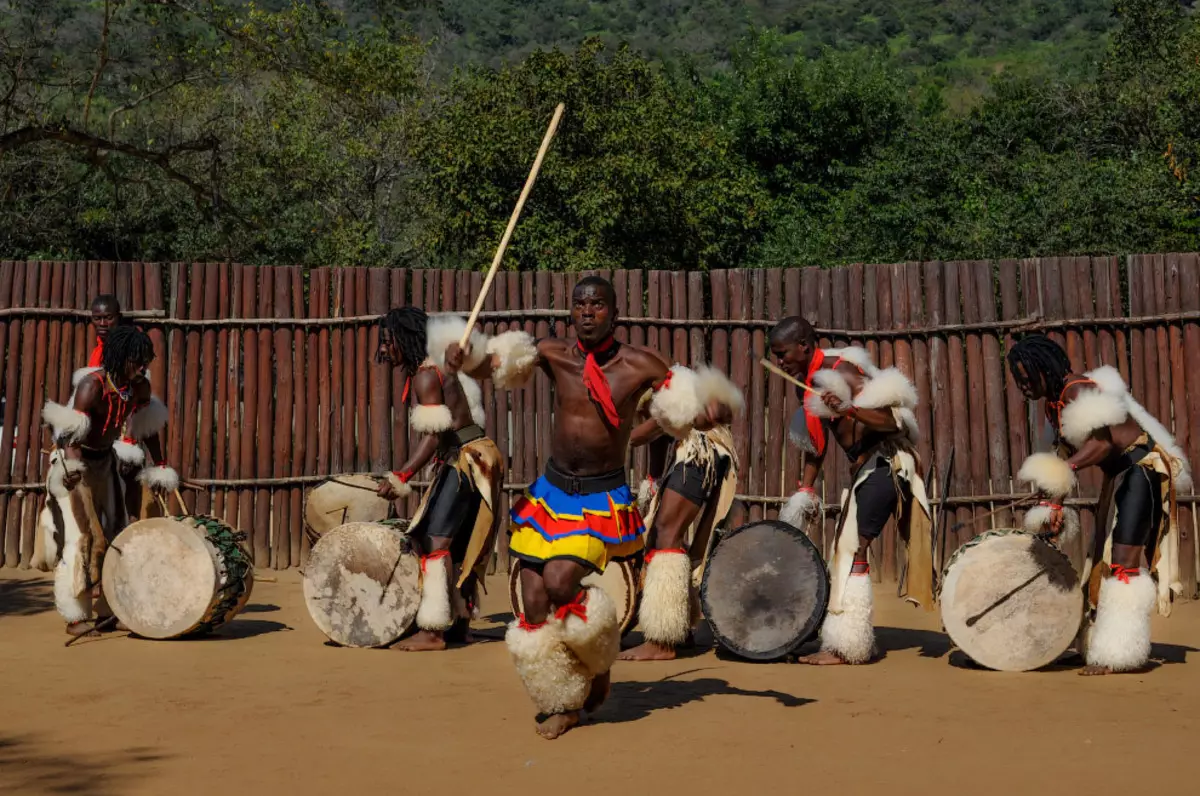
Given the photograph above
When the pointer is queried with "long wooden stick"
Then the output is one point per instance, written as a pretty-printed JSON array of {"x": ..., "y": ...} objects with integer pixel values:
[
  {"x": 786, "y": 376},
  {"x": 512, "y": 223}
]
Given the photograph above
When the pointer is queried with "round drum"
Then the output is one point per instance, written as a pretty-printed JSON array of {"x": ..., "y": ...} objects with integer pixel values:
[
  {"x": 362, "y": 584},
  {"x": 169, "y": 577},
  {"x": 765, "y": 590},
  {"x": 1010, "y": 601},
  {"x": 340, "y": 500},
  {"x": 619, "y": 581}
]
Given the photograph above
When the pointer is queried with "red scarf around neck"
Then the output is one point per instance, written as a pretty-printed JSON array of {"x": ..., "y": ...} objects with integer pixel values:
[
  {"x": 597, "y": 383},
  {"x": 816, "y": 431}
]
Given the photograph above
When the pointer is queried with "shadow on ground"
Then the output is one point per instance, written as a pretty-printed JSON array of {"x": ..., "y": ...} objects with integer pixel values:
[
  {"x": 28, "y": 766},
  {"x": 26, "y": 597},
  {"x": 633, "y": 700}
]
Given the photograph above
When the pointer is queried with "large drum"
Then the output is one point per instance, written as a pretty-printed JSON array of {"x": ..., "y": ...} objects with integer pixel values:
[
  {"x": 765, "y": 590},
  {"x": 619, "y": 581},
  {"x": 170, "y": 577},
  {"x": 340, "y": 500},
  {"x": 1010, "y": 601},
  {"x": 362, "y": 584}
]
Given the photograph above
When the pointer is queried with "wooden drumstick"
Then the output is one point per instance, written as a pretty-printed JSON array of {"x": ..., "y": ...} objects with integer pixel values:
[
  {"x": 182, "y": 506},
  {"x": 512, "y": 223},
  {"x": 786, "y": 376},
  {"x": 1003, "y": 508}
]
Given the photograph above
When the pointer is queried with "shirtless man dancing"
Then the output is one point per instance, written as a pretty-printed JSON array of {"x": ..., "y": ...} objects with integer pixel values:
[{"x": 581, "y": 513}]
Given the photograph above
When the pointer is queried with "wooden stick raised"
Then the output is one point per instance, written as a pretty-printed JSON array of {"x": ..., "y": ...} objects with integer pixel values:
[
  {"x": 786, "y": 376},
  {"x": 512, "y": 223}
]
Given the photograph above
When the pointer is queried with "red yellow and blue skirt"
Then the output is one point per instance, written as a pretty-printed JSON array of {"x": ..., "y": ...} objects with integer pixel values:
[{"x": 591, "y": 520}]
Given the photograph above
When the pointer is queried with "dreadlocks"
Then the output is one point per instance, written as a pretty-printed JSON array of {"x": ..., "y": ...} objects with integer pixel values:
[
  {"x": 1042, "y": 360},
  {"x": 406, "y": 328},
  {"x": 126, "y": 344}
]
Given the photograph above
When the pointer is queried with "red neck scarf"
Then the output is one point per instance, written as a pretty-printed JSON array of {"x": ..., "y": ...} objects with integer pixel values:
[
  {"x": 816, "y": 431},
  {"x": 597, "y": 383},
  {"x": 97, "y": 358}
]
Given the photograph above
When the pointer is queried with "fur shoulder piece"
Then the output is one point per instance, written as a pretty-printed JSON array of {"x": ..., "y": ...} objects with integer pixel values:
[
  {"x": 888, "y": 388},
  {"x": 149, "y": 420},
  {"x": 442, "y": 330},
  {"x": 516, "y": 352},
  {"x": 1108, "y": 379},
  {"x": 81, "y": 374},
  {"x": 855, "y": 356},
  {"x": 1090, "y": 411},
  {"x": 1048, "y": 474},
  {"x": 827, "y": 380},
  {"x": 69, "y": 425},
  {"x": 474, "y": 394}
]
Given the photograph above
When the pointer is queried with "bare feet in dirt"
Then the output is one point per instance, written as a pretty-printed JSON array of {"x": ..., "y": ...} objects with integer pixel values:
[
  {"x": 84, "y": 628},
  {"x": 422, "y": 641},
  {"x": 823, "y": 658},
  {"x": 601, "y": 685},
  {"x": 649, "y": 651},
  {"x": 557, "y": 724},
  {"x": 1091, "y": 671}
]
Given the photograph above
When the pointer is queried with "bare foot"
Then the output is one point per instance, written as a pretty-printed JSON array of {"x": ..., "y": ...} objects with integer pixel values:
[
  {"x": 422, "y": 641},
  {"x": 84, "y": 627},
  {"x": 649, "y": 651},
  {"x": 601, "y": 686},
  {"x": 1090, "y": 671},
  {"x": 557, "y": 724},
  {"x": 823, "y": 658}
]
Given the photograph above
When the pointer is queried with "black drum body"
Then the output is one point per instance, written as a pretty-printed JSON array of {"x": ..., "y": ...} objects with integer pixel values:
[{"x": 765, "y": 590}]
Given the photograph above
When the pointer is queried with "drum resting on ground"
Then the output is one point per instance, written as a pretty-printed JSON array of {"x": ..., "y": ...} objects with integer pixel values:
[
  {"x": 171, "y": 577},
  {"x": 362, "y": 583},
  {"x": 765, "y": 590},
  {"x": 1010, "y": 600}
]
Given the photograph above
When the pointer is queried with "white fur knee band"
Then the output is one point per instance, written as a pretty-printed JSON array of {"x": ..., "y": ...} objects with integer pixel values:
[
  {"x": 595, "y": 640},
  {"x": 149, "y": 420},
  {"x": 1119, "y": 639},
  {"x": 800, "y": 508},
  {"x": 1048, "y": 474},
  {"x": 516, "y": 354},
  {"x": 434, "y": 611},
  {"x": 851, "y": 634},
  {"x": 159, "y": 477},
  {"x": 554, "y": 678},
  {"x": 69, "y": 425},
  {"x": 665, "y": 616}
]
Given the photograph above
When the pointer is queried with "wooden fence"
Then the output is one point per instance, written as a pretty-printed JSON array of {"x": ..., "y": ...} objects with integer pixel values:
[{"x": 271, "y": 383}]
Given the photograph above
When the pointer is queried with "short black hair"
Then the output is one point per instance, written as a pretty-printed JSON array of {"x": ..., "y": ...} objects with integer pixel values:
[
  {"x": 1042, "y": 358},
  {"x": 406, "y": 327},
  {"x": 600, "y": 282},
  {"x": 126, "y": 343},
  {"x": 794, "y": 329},
  {"x": 106, "y": 301}
]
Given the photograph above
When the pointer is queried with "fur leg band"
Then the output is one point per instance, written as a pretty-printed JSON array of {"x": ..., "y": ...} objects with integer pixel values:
[
  {"x": 665, "y": 615},
  {"x": 434, "y": 612},
  {"x": 555, "y": 679},
  {"x": 1119, "y": 639},
  {"x": 851, "y": 634},
  {"x": 593, "y": 633}
]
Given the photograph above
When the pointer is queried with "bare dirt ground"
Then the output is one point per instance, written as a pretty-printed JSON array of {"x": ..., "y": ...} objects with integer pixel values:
[{"x": 266, "y": 707}]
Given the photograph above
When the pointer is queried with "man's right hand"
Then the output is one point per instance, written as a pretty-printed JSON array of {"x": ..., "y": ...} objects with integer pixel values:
[
  {"x": 72, "y": 479},
  {"x": 385, "y": 490},
  {"x": 454, "y": 358}
]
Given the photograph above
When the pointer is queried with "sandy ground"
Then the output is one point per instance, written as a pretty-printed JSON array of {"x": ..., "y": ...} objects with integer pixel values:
[{"x": 266, "y": 707}]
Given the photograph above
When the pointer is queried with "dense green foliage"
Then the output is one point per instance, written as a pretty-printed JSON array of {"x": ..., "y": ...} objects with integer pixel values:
[{"x": 197, "y": 129}]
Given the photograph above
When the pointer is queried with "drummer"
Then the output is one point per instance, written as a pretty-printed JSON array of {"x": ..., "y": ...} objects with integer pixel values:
[
  {"x": 1097, "y": 423},
  {"x": 868, "y": 412},
  {"x": 580, "y": 514},
  {"x": 83, "y": 511},
  {"x": 456, "y": 519},
  {"x": 702, "y": 474}
]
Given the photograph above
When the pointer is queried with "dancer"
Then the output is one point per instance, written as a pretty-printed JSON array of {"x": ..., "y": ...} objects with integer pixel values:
[
  {"x": 580, "y": 514},
  {"x": 456, "y": 520},
  {"x": 869, "y": 413},
  {"x": 1097, "y": 423},
  {"x": 83, "y": 507}
]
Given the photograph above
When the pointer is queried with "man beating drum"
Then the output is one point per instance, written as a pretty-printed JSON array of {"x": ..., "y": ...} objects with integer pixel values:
[
  {"x": 1097, "y": 423},
  {"x": 456, "y": 520},
  {"x": 580, "y": 514},
  {"x": 869, "y": 413},
  {"x": 84, "y": 509}
]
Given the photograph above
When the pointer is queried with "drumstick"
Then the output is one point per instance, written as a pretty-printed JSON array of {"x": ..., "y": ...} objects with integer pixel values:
[
  {"x": 512, "y": 223},
  {"x": 787, "y": 376},
  {"x": 1012, "y": 505},
  {"x": 182, "y": 506},
  {"x": 97, "y": 628},
  {"x": 971, "y": 621},
  {"x": 359, "y": 486}
]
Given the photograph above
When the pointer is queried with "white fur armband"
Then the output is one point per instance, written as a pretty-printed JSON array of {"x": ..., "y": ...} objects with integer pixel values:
[
  {"x": 401, "y": 488},
  {"x": 801, "y": 507},
  {"x": 129, "y": 453},
  {"x": 159, "y": 477},
  {"x": 442, "y": 330},
  {"x": 888, "y": 389},
  {"x": 516, "y": 354},
  {"x": 713, "y": 385},
  {"x": 431, "y": 418},
  {"x": 677, "y": 402},
  {"x": 1037, "y": 520},
  {"x": 59, "y": 467},
  {"x": 69, "y": 425},
  {"x": 149, "y": 420},
  {"x": 1090, "y": 411},
  {"x": 1048, "y": 474}
]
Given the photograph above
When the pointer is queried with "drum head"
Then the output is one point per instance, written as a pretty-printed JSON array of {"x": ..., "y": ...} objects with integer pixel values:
[
  {"x": 1010, "y": 601},
  {"x": 362, "y": 584},
  {"x": 160, "y": 576},
  {"x": 348, "y": 498},
  {"x": 765, "y": 590},
  {"x": 619, "y": 582}
]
